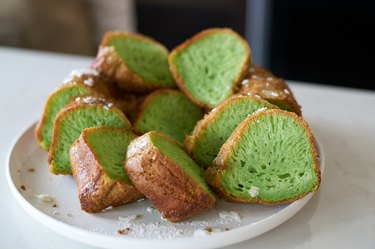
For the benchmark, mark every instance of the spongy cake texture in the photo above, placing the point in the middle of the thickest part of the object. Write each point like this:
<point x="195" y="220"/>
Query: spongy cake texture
<point x="56" y="101"/>
<point x="143" y="57"/>
<point x="97" y="161"/>
<point x="216" y="127"/>
<point x="69" y="124"/>
<point x="109" y="146"/>
<point x="168" y="177"/>
<point x="208" y="66"/>
<point x="270" y="158"/>
<point x="169" y="112"/>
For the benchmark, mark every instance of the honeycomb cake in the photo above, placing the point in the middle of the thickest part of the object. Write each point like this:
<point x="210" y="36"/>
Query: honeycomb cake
<point x="83" y="113"/>
<point x="136" y="62"/>
<point x="270" y="158"/>
<point x="97" y="161"/>
<point x="216" y="127"/>
<point x="169" y="112"/>
<point x="79" y="82"/>
<point x="168" y="177"/>
<point x="210" y="65"/>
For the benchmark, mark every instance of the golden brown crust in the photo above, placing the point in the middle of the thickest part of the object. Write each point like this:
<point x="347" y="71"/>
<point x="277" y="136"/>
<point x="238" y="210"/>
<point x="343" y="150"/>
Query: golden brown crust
<point x="71" y="107"/>
<point x="215" y="174"/>
<point x="275" y="90"/>
<point x="94" y="84"/>
<point x="109" y="63"/>
<point x="202" y="124"/>
<point x="178" y="78"/>
<point x="173" y="192"/>
<point x="96" y="190"/>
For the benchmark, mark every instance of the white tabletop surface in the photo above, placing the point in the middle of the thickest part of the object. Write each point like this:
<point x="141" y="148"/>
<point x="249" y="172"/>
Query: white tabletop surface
<point x="340" y="215"/>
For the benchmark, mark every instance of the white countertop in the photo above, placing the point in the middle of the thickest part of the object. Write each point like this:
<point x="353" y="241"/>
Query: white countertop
<point x="340" y="215"/>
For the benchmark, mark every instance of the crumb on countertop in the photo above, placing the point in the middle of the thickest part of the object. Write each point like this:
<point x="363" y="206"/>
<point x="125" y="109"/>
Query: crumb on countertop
<point x="124" y="231"/>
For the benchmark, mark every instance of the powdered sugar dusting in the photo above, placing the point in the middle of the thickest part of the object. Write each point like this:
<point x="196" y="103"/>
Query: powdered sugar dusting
<point x="231" y="215"/>
<point x="77" y="73"/>
<point x="92" y="100"/>
<point x="44" y="198"/>
<point x="89" y="82"/>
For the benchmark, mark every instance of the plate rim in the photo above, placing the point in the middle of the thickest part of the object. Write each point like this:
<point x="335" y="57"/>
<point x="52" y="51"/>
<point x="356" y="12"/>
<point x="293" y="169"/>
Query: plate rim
<point x="81" y="235"/>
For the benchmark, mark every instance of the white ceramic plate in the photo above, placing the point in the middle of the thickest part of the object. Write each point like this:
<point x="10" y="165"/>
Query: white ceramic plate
<point x="28" y="175"/>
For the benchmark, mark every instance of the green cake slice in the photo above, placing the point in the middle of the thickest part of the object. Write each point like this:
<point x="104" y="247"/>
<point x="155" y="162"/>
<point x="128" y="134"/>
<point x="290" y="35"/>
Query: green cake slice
<point x="86" y="112"/>
<point x="97" y="160"/>
<point x="270" y="158"/>
<point x="169" y="112"/>
<point x="216" y="127"/>
<point x="136" y="62"/>
<point x="168" y="177"/>
<point x="80" y="82"/>
<point x="210" y="65"/>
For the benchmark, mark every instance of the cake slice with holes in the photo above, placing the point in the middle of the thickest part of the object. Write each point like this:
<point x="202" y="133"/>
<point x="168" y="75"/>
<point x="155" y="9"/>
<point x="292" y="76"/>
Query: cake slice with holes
<point x="97" y="160"/>
<point x="270" y="158"/>
<point x="209" y="66"/>
<point x="211" y="132"/>
<point x="85" y="112"/>
<point x="168" y="177"/>
<point x="170" y="112"/>
<point x="80" y="82"/>
<point x="136" y="62"/>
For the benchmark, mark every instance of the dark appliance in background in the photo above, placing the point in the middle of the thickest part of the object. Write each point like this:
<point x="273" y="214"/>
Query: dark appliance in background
<point x="323" y="41"/>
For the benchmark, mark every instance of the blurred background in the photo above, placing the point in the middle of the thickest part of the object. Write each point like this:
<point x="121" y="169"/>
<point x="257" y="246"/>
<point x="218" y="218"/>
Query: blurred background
<point x="323" y="41"/>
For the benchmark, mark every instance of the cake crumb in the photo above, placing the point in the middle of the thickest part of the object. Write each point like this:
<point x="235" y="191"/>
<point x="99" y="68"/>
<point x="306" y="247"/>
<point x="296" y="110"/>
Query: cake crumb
<point x="89" y="82"/>
<point x="232" y="215"/>
<point x="129" y="218"/>
<point x="23" y="187"/>
<point x="69" y="215"/>
<point x="150" y="209"/>
<point x="254" y="191"/>
<point x="124" y="231"/>
<point x="18" y="171"/>
<point x="54" y="205"/>
<point x="206" y="231"/>
<point x="44" y="197"/>
<point x="31" y="170"/>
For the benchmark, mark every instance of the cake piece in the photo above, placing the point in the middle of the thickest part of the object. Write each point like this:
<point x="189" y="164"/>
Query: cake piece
<point x="79" y="82"/>
<point x="210" y="65"/>
<point x="136" y="62"/>
<point x="270" y="158"/>
<point x="168" y="177"/>
<point x="266" y="85"/>
<point x="97" y="160"/>
<point x="169" y="112"/>
<point x="85" y="112"/>
<point x="216" y="127"/>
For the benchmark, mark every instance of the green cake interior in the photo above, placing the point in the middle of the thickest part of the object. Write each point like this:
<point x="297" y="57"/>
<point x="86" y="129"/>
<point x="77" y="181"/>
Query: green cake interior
<point x="174" y="152"/>
<point x="56" y="102"/>
<point x="110" y="145"/>
<point x="209" y="141"/>
<point x="144" y="58"/>
<point x="171" y="113"/>
<point x="210" y="66"/>
<point x="281" y="104"/>
<point x="71" y="126"/>
<point x="274" y="155"/>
